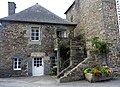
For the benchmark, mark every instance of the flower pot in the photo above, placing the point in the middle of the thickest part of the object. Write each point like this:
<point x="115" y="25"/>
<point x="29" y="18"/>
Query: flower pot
<point x="92" y="78"/>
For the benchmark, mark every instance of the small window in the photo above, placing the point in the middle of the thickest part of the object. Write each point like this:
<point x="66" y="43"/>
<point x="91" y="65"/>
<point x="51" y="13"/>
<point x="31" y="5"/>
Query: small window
<point x="62" y="34"/>
<point x="17" y="64"/>
<point x="54" y="61"/>
<point x="35" y="34"/>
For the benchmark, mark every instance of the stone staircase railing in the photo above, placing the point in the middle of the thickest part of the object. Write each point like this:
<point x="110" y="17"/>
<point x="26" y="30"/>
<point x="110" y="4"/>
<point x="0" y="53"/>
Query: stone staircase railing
<point x="64" y="71"/>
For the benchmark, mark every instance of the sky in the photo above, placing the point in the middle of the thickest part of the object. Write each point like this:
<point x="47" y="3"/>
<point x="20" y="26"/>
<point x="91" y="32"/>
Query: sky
<point x="56" y="6"/>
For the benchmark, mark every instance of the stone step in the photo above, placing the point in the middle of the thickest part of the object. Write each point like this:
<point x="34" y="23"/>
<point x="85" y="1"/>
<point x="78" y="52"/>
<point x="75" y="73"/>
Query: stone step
<point x="64" y="71"/>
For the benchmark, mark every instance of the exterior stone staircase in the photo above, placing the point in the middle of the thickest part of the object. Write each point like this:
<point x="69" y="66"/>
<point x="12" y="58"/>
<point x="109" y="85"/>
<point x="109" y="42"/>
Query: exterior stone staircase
<point x="77" y="72"/>
<point x="77" y="55"/>
<point x="79" y="61"/>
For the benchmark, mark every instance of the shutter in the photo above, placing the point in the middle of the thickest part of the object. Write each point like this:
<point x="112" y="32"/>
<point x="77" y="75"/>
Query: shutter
<point x="30" y="67"/>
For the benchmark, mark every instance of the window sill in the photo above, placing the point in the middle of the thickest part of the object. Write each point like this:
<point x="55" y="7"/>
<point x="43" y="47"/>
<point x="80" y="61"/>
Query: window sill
<point x="35" y="42"/>
<point x="17" y="69"/>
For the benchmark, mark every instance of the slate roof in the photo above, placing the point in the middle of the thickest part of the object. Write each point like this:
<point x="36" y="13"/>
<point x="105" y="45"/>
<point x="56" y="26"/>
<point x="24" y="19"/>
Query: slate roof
<point x="36" y="14"/>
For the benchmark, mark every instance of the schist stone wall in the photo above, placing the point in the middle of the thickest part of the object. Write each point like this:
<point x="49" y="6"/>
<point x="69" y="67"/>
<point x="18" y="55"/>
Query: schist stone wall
<point x="96" y="18"/>
<point x="16" y="41"/>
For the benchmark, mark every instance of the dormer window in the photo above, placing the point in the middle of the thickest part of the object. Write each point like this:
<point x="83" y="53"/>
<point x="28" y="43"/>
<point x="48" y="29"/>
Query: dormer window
<point x="35" y="34"/>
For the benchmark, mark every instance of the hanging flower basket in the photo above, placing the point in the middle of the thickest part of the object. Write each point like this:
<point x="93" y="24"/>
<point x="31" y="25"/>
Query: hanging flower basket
<point x="98" y="73"/>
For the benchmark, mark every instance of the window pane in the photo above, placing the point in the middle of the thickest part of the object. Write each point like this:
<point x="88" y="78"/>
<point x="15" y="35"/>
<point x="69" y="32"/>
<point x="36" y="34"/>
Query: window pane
<point x="19" y="59"/>
<point x="40" y="59"/>
<point x="34" y="64"/>
<point x="37" y="65"/>
<point x="32" y="34"/>
<point x="37" y="30"/>
<point x="65" y="34"/>
<point x="32" y="30"/>
<point x="35" y="59"/>
<point x="15" y="59"/>
<point x="37" y="34"/>
<point x="15" y="63"/>
<point x="32" y="38"/>
<point x="15" y="66"/>
<point x="37" y="38"/>
<point x="19" y="66"/>
<point x="40" y="64"/>
<point x="37" y="62"/>
<point x="19" y="63"/>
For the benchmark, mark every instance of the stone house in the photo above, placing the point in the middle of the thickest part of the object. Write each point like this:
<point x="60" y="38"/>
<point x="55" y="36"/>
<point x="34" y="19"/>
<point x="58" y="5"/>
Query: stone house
<point x="94" y="18"/>
<point x="28" y="41"/>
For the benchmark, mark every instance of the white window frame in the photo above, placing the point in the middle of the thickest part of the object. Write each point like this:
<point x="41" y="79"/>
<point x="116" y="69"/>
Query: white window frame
<point x="39" y="37"/>
<point x="63" y="34"/>
<point x="18" y="60"/>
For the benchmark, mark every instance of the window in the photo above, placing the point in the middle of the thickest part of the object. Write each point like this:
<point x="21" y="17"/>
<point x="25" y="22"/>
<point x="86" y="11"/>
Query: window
<point x="54" y="61"/>
<point x="35" y="34"/>
<point x="62" y="34"/>
<point x="37" y="62"/>
<point x="17" y="64"/>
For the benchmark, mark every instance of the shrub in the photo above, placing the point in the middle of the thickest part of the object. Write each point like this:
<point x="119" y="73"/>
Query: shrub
<point x="54" y="70"/>
<point x="100" y="45"/>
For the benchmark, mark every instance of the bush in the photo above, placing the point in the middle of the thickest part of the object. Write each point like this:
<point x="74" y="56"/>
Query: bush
<point x="54" y="70"/>
<point x="100" y="45"/>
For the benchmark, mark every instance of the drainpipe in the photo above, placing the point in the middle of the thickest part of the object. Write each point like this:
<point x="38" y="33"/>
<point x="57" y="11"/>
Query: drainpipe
<point x="58" y="61"/>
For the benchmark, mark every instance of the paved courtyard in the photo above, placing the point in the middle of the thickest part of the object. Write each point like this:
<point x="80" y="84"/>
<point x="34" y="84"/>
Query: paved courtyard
<point x="48" y="81"/>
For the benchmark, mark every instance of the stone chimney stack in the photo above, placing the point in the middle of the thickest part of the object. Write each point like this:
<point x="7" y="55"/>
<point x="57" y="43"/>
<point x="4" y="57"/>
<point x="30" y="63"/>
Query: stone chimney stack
<point x="11" y="8"/>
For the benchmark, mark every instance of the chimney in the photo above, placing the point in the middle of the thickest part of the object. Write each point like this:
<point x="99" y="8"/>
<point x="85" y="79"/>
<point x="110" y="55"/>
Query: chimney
<point x="11" y="8"/>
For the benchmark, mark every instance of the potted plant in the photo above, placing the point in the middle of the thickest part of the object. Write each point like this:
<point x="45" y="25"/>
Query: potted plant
<point x="98" y="73"/>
